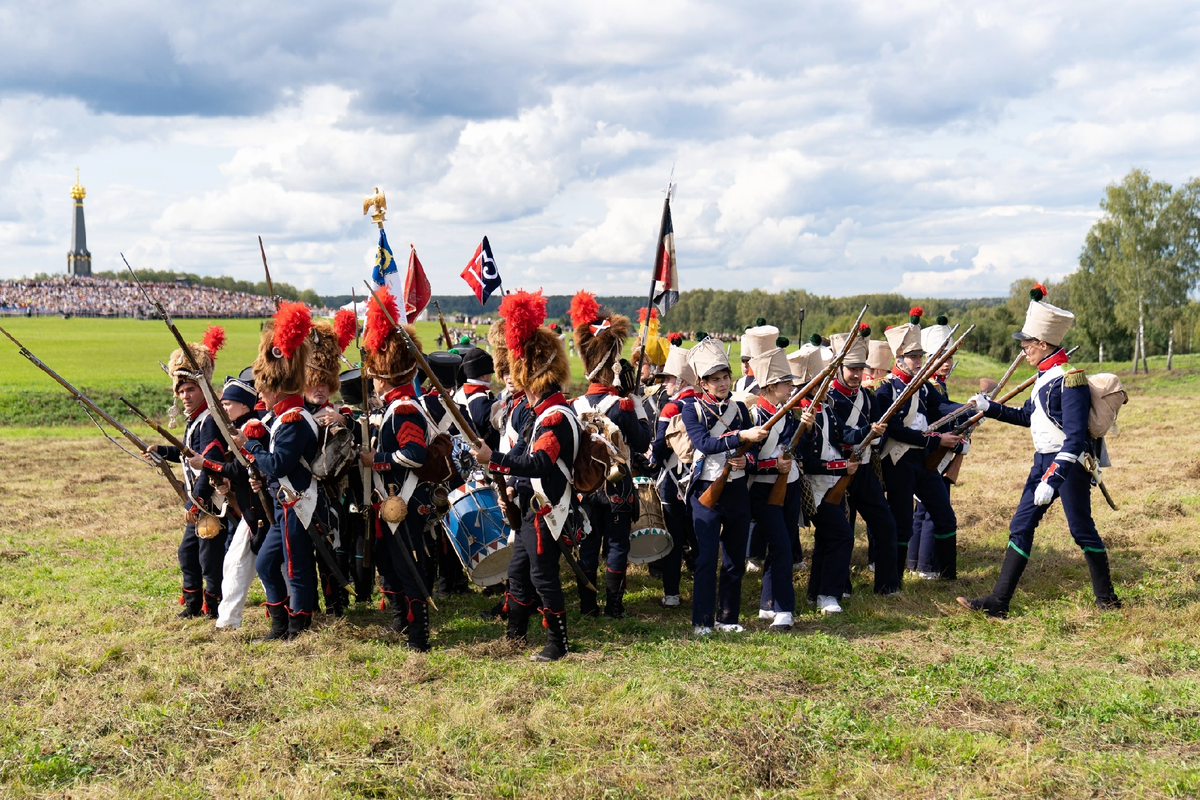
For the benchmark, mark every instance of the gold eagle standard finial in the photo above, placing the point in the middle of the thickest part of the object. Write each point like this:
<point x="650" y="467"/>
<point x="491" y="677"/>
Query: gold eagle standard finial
<point x="380" y="203"/>
<point x="77" y="191"/>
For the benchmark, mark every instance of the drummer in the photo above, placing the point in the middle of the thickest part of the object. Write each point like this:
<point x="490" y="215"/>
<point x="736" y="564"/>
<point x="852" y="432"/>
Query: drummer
<point x="445" y="571"/>
<point x="600" y="337"/>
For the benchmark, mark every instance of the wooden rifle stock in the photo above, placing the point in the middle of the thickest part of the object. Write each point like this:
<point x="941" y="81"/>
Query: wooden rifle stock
<point x="442" y="322"/>
<point x="838" y="490"/>
<point x="934" y="459"/>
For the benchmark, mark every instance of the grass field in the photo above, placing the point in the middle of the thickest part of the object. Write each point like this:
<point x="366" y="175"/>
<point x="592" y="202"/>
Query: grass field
<point x="106" y="694"/>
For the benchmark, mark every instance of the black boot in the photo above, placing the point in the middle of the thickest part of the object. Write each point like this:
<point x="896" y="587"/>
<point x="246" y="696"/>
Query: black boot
<point x="556" y="637"/>
<point x="192" y="601"/>
<point x="418" y="626"/>
<point x="587" y="597"/>
<point x="946" y="550"/>
<point x="1102" y="587"/>
<point x="398" y="601"/>
<point x="614" y="595"/>
<point x="297" y="624"/>
<point x="518" y="619"/>
<point x="996" y="603"/>
<point x="211" y="602"/>
<point x="278" y="614"/>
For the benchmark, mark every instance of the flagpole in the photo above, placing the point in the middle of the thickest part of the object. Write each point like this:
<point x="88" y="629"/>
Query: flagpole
<point x="658" y="249"/>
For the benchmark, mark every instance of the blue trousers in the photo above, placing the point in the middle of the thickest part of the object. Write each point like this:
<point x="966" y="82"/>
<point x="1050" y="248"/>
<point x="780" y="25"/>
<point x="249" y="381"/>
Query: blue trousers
<point x="833" y="544"/>
<point x="395" y="576"/>
<point x="202" y="561"/>
<point x="908" y="477"/>
<point x="773" y="526"/>
<point x="533" y="574"/>
<point x="679" y="524"/>
<point x="921" y="553"/>
<point x="866" y="493"/>
<point x="1076" y="496"/>
<point x="722" y="528"/>
<point x="288" y="545"/>
<point x="611" y="526"/>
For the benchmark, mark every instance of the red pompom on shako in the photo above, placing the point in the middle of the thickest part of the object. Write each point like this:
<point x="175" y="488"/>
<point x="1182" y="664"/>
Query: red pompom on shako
<point x="1038" y="292"/>
<point x="378" y="326"/>
<point x="293" y="321"/>
<point x="914" y="315"/>
<point x="523" y="312"/>
<point x="345" y="324"/>
<point x="584" y="308"/>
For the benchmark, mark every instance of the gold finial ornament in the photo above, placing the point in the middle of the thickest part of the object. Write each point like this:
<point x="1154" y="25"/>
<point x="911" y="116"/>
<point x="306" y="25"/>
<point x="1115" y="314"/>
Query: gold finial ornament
<point x="77" y="191"/>
<point x="380" y="203"/>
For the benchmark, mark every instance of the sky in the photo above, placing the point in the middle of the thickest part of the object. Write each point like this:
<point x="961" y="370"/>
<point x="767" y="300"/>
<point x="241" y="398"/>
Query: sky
<point x="933" y="149"/>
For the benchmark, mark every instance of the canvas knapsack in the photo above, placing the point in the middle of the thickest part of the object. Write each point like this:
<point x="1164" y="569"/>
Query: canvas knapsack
<point x="678" y="439"/>
<point x="1107" y="399"/>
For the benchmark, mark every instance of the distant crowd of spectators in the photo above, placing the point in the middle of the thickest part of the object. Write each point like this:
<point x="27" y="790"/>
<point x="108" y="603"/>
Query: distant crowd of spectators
<point x="100" y="297"/>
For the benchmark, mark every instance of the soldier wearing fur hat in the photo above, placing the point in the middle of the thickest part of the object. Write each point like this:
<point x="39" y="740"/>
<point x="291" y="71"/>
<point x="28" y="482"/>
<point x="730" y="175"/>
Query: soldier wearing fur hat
<point x="773" y="523"/>
<point x="858" y="408"/>
<point x="673" y="472"/>
<point x="541" y="464"/>
<point x="402" y="442"/>
<point x="322" y="380"/>
<point x="450" y="577"/>
<point x="1057" y="417"/>
<point x="903" y="452"/>
<point x="355" y="503"/>
<point x="600" y="337"/>
<point x="717" y="425"/>
<point x="200" y="558"/>
<point x="291" y="432"/>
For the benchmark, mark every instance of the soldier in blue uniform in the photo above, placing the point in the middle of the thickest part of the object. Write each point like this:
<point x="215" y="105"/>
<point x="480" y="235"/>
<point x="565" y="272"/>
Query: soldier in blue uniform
<point x="599" y="338"/>
<point x="859" y="409"/>
<point x="450" y="577"/>
<point x="541" y="465"/>
<point x="717" y="426"/>
<point x="355" y="503"/>
<point x="474" y="395"/>
<point x="200" y="559"/>
<point x="904" y="450"/>
<point x="673" y="474"/>
<point x="401" y="447"/>
<point x="1057" y="417"/>
<point x="279" y="375"/>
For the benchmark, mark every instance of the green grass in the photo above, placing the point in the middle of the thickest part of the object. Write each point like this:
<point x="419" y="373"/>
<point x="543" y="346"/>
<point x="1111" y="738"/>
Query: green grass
<point x="106" y="694"/>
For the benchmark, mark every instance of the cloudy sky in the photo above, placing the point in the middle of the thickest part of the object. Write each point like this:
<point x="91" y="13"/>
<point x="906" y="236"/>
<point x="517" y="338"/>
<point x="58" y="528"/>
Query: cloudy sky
<point x="929" y="148"/>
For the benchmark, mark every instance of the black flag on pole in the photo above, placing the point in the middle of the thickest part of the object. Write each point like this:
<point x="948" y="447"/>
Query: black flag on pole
<point x="666" y="272"/>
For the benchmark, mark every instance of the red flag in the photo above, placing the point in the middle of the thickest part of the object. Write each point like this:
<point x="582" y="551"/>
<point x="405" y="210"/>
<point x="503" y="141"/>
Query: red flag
<point x="417" y="290"/>
<point x="482" y="274"/>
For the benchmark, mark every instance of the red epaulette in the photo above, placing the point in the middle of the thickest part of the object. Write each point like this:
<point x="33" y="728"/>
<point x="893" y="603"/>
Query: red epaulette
<point x="293" y="415"/>
<point x="626" y="404"/>
<point x="254" y="429"/>
<point x="553" y="418"/>
<point x="406" y="406"/>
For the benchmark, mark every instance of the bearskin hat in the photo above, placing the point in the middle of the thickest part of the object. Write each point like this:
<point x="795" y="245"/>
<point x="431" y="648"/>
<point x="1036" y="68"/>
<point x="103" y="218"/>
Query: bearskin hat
<point x="388" y="356"/>
<point x="495" y="337"/>
<point x="329" y="341"/>
<point x="204" y="353"/>
<point x="283" y="350"/>
<point x="599" y="335"/>
<point x="536" y="357"/>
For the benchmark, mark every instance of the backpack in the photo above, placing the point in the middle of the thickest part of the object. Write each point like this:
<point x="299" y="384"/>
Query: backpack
<point x="592" y="459"/>
<point x="678" y="439"/>
<point x="336" y="451"/>
<point x="1107" y="397"/>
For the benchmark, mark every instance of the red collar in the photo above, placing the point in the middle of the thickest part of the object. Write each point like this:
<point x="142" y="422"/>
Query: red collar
<point x="600" y="388"/>
<point x="688" y="392"/>
<point x="474" y="388"/>
<point x="806" y="403"/>
<point x="1055" y="359"/>
<point x="904" y="377"/>
<point x="407" y="390"/>
<point x="204" y="406"/>
<point x="430" y="393"/>
<point x="555" y="399"/>
<point x="293" y="401"/>
<point x="260" y="406"/>
<point x="843" y="388"/>
<point x="765" y="404"/>
<point x="708" y="397"/>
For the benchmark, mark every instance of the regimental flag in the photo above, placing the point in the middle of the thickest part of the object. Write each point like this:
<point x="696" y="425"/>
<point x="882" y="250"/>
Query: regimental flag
<point x="481" y="274"/>
<point x="417" y="290"/>
<point x="387" y="274"/>
<point x="666" y="272"/>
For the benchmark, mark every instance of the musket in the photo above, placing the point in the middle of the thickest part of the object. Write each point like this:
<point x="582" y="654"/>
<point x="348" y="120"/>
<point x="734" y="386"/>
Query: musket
<point x="225" y="426"/>
<point x="940" y="356"/>
<point x="933" y="461"/>
<point x="267" y="270"/>
<point x="712" y="495"/>
<point x="779" y="489"/>
<point x="469" y="433"/>
<point x="156" y="460"/>
<point x="364" y="472"/>
<point x="442" y="322"/>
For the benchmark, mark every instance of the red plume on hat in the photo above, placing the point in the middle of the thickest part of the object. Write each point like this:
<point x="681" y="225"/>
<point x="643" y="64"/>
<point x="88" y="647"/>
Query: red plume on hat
<point x="345" y="324"/>
<point x="642" y="314"/>
<point x="293" y="321"/>
<point x="1038" y="292"/>
<point x="214" y="340"/>
<point x="523" y="313"/>
<point x="914" y="315"/>
<point x="378" y="325"/>
<point x="584" y="308"/>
